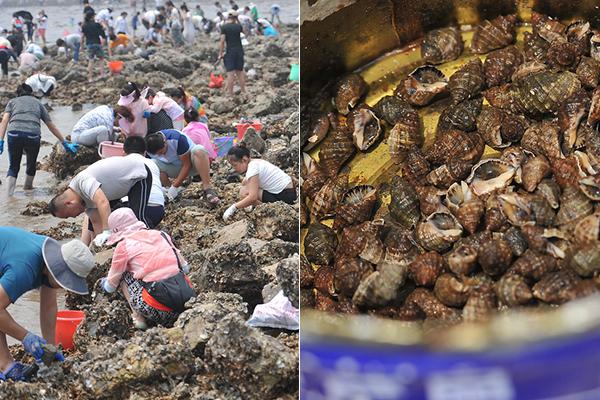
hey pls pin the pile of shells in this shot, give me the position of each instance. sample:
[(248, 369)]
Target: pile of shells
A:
[(454, 236)]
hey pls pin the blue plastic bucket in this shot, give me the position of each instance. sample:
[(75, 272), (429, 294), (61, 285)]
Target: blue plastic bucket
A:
[(295, 73), (223, 144)]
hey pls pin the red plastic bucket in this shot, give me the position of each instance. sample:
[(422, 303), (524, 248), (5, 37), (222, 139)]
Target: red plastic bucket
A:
[(67, 322), (115, 67), (242, 128)]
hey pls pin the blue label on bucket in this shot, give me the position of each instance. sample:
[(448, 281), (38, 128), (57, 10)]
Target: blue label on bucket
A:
[(567, 368)]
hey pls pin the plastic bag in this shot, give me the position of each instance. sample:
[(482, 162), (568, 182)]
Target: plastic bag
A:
[(216, 81), (278, 313)]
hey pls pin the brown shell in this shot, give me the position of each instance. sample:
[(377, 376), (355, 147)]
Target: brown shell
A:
[(467, 82), (515, 240), (500, 65), (455, 145), (587, 230), (399, 247), (548, 28), (451, 291), (534, 265), (549, 190), (318, 131), (490, 174), (495, 257), (462, 260), (585, 259), (504, 97), (328, 197), (438, 231), (430, 305), (481, 304), (588, 72), (447, 174), (563, 55), (595, 47), (404, 203), (557, 287), (356, 206), (320, 244), (335, 150), (535, 47), (348, 273), (391, 109), (579, 33), (494, 219), (362, 241), (323, 280), (416, 167), (528, 68), (543, 213), (405, 134), (307, 274), (534, 170), (304, 214), (543, 240), (422, 85), (381, 287), (570, 114), (543, 138), (429, 199), (489, 124), (366, 127), (594, 114), (442, 45), (348, 91), (566, 171), (544, 92), (494, 34), (426, 268), (467, 207), (314, 182), (590, 186), (573, 206), (512, 290), (461, 116)]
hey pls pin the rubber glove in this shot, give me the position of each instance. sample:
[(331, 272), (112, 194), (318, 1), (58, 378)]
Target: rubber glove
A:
[(229, 212), (173, 192), (101, 238), (147, 114), (59, 356), (70, 147), (1, 145), (107, 286), (33, 345)]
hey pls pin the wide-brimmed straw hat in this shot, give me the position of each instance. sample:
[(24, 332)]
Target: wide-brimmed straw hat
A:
[(69, 263), (123, 222)]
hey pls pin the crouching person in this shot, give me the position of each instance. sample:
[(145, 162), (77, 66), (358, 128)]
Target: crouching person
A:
[(29, 261), (148, 269)]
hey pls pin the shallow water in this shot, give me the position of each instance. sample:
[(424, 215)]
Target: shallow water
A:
[(63, 19), (26, 310)]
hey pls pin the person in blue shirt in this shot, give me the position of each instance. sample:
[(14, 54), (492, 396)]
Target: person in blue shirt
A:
[(178, 157), (29, 261)]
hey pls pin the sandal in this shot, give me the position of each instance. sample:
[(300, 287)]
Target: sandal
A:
[(211, 196)]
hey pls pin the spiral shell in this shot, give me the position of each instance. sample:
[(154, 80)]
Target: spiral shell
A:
[(467, 82), (557, 287), (573, 206), (528, 68), (323, 280), (362, 241), (588, 72), (570, 114), (381, 287), (426, 268), (545, 91), (404, 203), (461, 116), (594, 114), (544, 240), (517, 208), (307, 275), (535, 47), (489, 175), (504, 97), (590, 186), (462, 260), (489, 124), (348, 91), (451, 291), (304, 214), (587, 230), (495, 257), (481, 304), (324, 302), (467, 208), (455, 145), (367, 128), (348, 273), (494, 219), (534, 170), (494, 34), (512, 290), (422, 85), (549, 190), (318, 131), (416, 167), (442, 45), (579, 33), (595, 47), (516, 241), (430, 305), (314, 182), (328, 197), (501, 64), (567, 171), (356, 206), (543, 138), (391, 109), (399, 247), (438, 231), (320, 244), (447, 174), (429, 199), (533, 265), (548, 28), (405, 134), (563, 55), (336, 149)]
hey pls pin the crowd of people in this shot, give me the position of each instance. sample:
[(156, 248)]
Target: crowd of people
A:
[(167, 145)]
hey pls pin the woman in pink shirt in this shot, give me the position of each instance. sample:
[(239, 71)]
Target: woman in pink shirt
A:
[(132, 98), (142, 256), (198, 132), (160, 101)]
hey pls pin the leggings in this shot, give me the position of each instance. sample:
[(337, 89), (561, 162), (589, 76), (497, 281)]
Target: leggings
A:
[(92, 136), (19, 143), (4, 58)]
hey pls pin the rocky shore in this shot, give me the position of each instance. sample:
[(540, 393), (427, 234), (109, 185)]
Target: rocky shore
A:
[(210, 353)]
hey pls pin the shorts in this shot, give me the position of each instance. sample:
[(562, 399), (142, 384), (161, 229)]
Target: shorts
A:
[(42, 31), (172, 169), (156, 316), (286, 195), (234, 60), (95, 51)]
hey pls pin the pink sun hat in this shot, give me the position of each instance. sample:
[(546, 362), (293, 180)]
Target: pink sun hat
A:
[(122, 223)]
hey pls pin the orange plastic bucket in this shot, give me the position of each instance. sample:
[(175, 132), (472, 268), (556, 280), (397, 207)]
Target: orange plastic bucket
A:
[(109, 149), (115, 67), (242, 128), (67, 322)]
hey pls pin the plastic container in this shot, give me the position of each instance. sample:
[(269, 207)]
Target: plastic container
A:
[(67, 322), (115, 67), (243, 127), (110, 149), (295, 73)]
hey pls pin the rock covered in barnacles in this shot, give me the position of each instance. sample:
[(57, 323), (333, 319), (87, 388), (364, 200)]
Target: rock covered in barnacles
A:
[(199, 321), (275, 221), (258, 365), (287, 276), (63, 164)]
